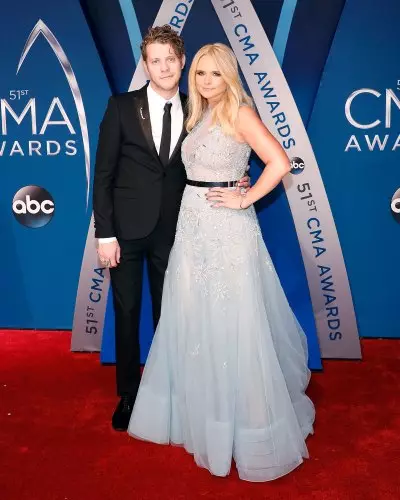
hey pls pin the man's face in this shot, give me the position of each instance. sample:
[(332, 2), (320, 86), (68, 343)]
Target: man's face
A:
[(163, 66)]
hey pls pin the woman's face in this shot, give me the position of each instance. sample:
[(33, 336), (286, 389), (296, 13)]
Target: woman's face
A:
[(209, 81)]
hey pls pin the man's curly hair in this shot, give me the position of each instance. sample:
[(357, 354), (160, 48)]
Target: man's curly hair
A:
[(163, 34)]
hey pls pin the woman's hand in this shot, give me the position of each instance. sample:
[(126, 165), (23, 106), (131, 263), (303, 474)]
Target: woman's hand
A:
[(226, 197)]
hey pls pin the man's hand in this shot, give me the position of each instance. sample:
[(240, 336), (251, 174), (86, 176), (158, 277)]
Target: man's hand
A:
[(109, 254), (244, 183)]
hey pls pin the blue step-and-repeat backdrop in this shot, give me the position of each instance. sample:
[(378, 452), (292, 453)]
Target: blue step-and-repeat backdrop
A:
[(325, 81)]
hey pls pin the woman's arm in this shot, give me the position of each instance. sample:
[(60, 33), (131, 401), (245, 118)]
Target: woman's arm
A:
[(250, 129)]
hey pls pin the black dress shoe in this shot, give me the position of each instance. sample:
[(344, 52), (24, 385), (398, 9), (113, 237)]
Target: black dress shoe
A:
[(122, 414)]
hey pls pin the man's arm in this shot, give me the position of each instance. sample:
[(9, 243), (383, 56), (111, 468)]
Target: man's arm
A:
[(106, 163)]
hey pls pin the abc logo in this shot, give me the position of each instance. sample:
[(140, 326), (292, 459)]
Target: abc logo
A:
[(395, 206), (33, 206), (297, 165)]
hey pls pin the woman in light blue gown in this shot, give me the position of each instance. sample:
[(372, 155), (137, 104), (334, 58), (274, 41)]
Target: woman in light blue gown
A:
[(227, 371)]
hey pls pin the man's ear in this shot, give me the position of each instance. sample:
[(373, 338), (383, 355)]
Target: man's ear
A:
[(183, 61)]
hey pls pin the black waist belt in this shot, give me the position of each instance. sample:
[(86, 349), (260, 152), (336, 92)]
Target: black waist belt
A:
[(211, 184)]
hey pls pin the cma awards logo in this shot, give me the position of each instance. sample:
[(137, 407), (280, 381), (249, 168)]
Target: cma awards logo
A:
[(388, 102), (10, 110), (33, 206)]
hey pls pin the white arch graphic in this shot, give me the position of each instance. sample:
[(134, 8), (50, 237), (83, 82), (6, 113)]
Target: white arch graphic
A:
[(41, 28)]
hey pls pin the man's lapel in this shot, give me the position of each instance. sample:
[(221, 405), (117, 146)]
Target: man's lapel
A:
[(143, 116)]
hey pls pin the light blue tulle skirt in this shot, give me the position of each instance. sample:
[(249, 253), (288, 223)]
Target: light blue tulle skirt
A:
[(227, 371)]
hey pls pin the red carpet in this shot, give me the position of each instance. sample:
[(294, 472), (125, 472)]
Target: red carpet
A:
[(56, 442)]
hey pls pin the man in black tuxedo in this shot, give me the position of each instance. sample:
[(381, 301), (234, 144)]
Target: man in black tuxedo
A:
[(138, 185)]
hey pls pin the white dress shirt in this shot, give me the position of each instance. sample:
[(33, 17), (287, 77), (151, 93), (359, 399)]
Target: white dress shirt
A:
[(156, 110)]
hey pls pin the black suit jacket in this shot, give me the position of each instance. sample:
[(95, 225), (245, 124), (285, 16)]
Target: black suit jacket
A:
[(132, 189)]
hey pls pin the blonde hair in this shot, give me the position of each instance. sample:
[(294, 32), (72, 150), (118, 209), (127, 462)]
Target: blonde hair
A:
[(225, 112)]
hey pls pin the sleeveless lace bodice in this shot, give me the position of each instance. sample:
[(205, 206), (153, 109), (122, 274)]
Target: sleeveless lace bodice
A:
[(210, 155)]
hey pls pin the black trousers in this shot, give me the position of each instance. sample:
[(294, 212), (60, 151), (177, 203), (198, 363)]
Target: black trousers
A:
[(126, 280)]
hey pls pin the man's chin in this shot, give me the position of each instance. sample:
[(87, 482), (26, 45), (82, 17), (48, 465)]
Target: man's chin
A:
[(168, 83)]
